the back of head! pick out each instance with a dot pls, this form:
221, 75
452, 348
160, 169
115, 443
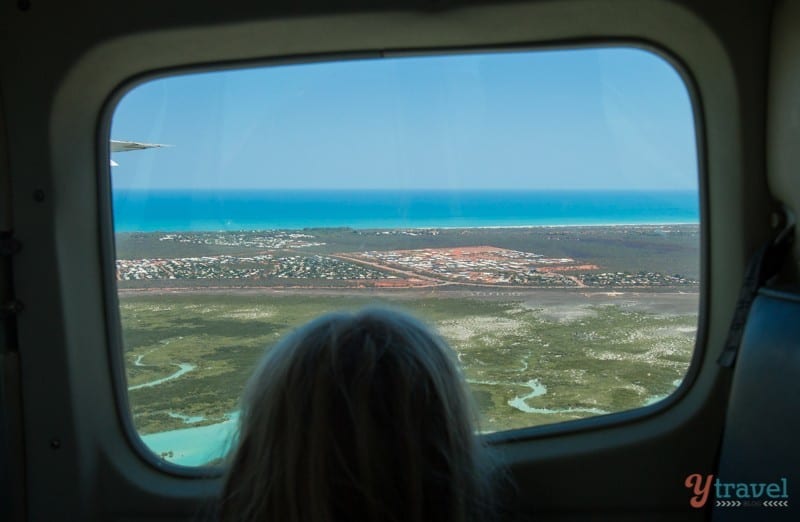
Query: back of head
356, 417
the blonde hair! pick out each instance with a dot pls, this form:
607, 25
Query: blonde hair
357, 417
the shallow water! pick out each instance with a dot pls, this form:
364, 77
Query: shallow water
194, 446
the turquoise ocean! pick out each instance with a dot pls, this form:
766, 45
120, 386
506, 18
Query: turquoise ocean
174, 211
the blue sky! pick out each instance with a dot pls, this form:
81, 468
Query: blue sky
611, 118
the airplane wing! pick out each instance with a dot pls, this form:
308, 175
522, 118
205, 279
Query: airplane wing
124, 146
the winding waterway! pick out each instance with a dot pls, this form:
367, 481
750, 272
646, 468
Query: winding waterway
199, 445
537, 390
184, 368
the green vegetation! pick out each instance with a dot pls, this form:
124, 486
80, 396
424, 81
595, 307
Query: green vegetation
591, 355
549, 324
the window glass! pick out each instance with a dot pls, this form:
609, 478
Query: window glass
539, 209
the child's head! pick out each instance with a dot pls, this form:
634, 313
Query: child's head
356, 417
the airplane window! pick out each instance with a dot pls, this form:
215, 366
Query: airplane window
539, 208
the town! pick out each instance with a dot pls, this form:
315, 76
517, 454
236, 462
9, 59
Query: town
261, 267
273, 239
289, 258
481, 264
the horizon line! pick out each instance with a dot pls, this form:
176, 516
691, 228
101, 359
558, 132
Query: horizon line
493, 227
394, 189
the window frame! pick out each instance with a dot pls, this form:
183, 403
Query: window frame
589, 424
